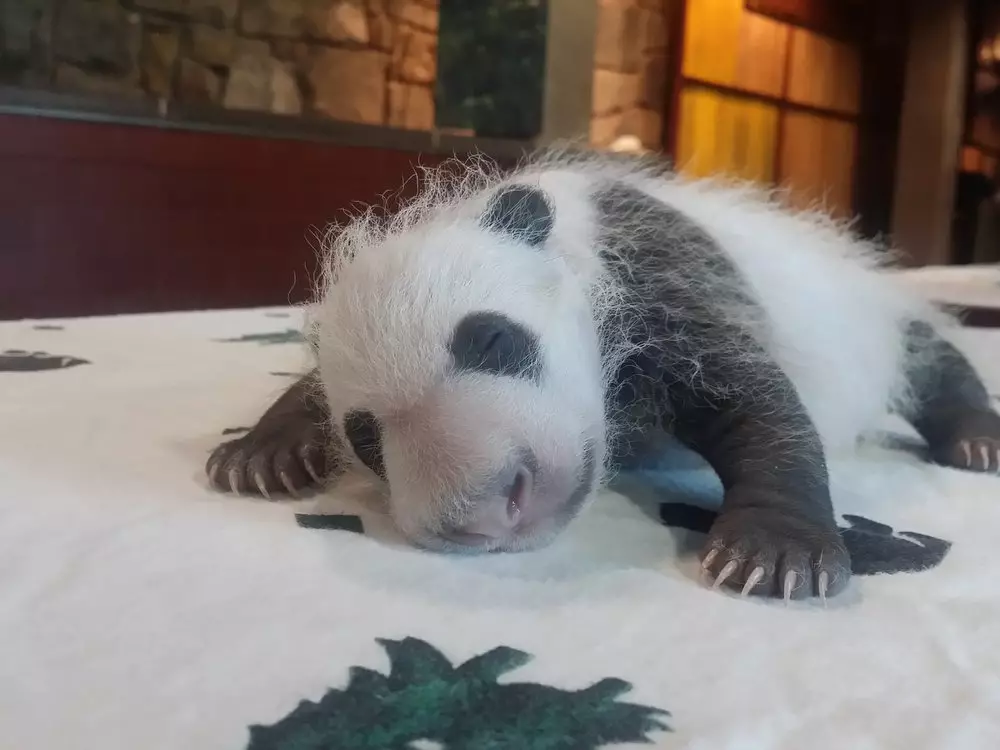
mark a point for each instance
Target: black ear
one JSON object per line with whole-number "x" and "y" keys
{"x": 520, "y": 212}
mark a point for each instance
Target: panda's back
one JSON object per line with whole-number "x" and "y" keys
{"x": 837, "y": 321}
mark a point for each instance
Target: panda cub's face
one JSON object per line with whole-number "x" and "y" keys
{"x": 461, "y": 363}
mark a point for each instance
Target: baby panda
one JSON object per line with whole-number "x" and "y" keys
{"x": 496, "y": 348}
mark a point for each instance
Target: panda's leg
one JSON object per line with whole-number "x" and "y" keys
{"x": 289, "y": 450}
{"x": 948, "y": 404}
{"x": 776, "y": 534}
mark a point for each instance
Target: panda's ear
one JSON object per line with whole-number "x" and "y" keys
{"x": 521, "y": 212}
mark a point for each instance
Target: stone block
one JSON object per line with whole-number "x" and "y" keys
{"x": 286, "y": 98}
{"x": 76, "y": 80}
{"x": 220, "y": 47}
{"x": 614, "y": 91}
{"x": 212, "y": 46}
{"x": 410, "y": 106}
{"x": 414, "y": 56}
{"x": 654, "y": 31}
{"x": 216, "y": 12}
{"x": 381, "y": 25}
{"x": 350, "y": 84}
{"x": 263, "y": 84}
{"x": 339, "y": 21}
{"x": 157, "y": 61}
{"x": 23, "y": 24}
{"x": 413, "y": 13}
{"x": 178, "y": 8}
{"x": 618, "y": 29}
{"x": 289, "y": 19}
{"x": 605, "y": 128}
{"x": 98, "y": 37}
{"x": 644, "y": 124}
{"x": 197, "y": 83}
{"x": 291, "y": 51}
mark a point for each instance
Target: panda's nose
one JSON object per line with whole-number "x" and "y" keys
{"x": 497, "y": 512}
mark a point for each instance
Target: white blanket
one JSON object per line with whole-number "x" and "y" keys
{"x": 138, "y": 609}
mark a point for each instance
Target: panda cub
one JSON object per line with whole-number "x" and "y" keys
{"x": 494, "y": 348}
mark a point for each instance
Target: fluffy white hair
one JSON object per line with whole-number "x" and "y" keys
{"x": 393, "y": 286}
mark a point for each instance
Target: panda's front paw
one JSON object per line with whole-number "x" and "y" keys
{"x": 285, "y": 459}
{"x": 771, "y": 551}
{"x": 973, "y": 444}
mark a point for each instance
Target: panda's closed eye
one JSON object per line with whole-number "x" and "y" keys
{"x": 364, "y": 434}
{"x": 492, "y": 343}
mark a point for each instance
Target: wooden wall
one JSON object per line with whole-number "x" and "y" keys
{"x": 768, "y": 101}
{"x": 102, "y": 219}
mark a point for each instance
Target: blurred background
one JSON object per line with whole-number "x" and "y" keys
{"x": 183, "y": 154}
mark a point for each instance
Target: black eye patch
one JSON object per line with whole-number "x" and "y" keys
{"x": 364, "y": 434}
{"x": 493, "y": 343}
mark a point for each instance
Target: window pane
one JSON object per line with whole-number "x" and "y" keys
{"x": 726, "y": 135}
{"x": 824, "y": 73}
{"x": 710, "y": 40}
{"x": 729, "y": 46}
{"x": 817, "y": 162}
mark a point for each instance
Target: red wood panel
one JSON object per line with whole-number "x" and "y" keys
{"x": 103, "y": 219}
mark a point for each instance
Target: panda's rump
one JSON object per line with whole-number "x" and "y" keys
{"x": 836, "y": 322}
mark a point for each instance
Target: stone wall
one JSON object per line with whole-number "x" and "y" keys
{"x": 631, "y": 61}
{"x": 368, "y": 61}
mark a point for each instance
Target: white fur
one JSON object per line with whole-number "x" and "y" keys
{"x": 837, "y": 318}
{"x": 393, "y": 291}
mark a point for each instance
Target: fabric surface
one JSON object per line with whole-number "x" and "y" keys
{"x": 968, "y": 285}
{"x": 138, "y": 609}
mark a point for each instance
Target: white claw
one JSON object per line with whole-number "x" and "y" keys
{"x": 213, "y": 473}
{"x": 261, "y": 485}
{"x": 235, "y": 485}
{"x": 967, "y": 450}
{"x": 311, "y": 470}
{"x": 709, "y": 559}
{"x": 752, "y": 580}
{"x": 823, "y": 584}
{"x": 790, "y": 578}
{"x": 985, "y": 453}
{"x": 998, "y": 461}
{"x": 288, "y": 484}
{"x": 727, "y": 571}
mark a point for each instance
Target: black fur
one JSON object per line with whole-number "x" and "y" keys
{"x": 493, "y": 343}
{"x": 747, "y": 422}
{"x": 950, "y": 406}
{"x": 521, "y": 212}
{"x": 364, "y": 434}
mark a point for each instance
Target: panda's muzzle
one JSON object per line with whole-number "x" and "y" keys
{"x": 504, "y": 505}
{"x": 516, "y": 503}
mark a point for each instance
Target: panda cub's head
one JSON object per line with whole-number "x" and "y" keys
{"x": 461, "y": 360}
